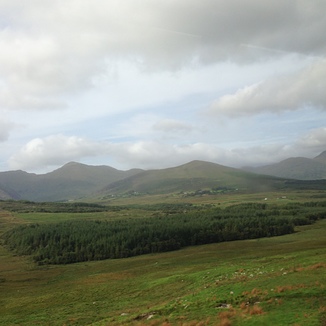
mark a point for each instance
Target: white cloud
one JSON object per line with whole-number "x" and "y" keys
{"x": 52, "y": 151}
{"x": 305, "y": 88}
{"x": 56, "y": 150}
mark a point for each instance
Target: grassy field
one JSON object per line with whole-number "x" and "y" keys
{"x": 222, "y": 199}
{"x": 269, "y": 281}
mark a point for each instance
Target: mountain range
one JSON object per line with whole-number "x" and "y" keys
{"x": 75, "y": 180}
{"x": 71, "y": 181}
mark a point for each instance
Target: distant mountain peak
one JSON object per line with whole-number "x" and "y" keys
{"x": 72, "y": 163}
{"x": 321, "y": 157}
{"x": 300, "y": 168}
{"x": 77, "y": 180}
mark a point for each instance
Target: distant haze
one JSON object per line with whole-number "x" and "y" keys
{"x": 80, "y": 181}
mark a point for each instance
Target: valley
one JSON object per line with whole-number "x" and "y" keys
{"x": 198, "y": 244}
{"x": 274, "y": 280}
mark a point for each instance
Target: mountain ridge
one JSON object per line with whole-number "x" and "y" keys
{"x": 71, "y": 181}
{"x": 192, "y": 176}
{"x": 76, "y": 180}
{"x": 300, "y": 168}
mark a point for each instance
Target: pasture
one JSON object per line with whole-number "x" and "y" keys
{"x": 267, "y": 281}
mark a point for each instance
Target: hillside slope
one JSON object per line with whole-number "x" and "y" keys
{"x": 72, "y": 181}
{"x": 300, "y": 168}
{"x": 75, "y": 181}
{"x": 192, "y": 176}
{"x": 4, "y": 195}
{"x": 321, "y": 158}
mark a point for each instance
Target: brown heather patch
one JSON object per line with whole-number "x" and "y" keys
{"x": 153, "y": 323}
{"x": 241, "y": 278}
{"x": 225, "y": 322}
{"x": 7, "y": 217}
{"x": 322, "y": 309}
{"x": 322, "y": 318}
{"x": 181, "y": 323}
{"x": 310, "y": 268}
{"x": 225, "y": 316}
{"x": 254, "y": 292}
{"x": 196, "y": 323}
{"x": 274, "y": 301}
{"x": 317, "y": 266}
{"x": 252, "y": 310}
{"x": 252, "y": 297}
{"x": 181, "y": 319}
{"x": 256, "y": 310}
{"x": 280, "y": 289}
{"x": 72, "y": 320}
{"x": 243, "y": 305}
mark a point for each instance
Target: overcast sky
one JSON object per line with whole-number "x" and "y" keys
{"x": 158, "y": 83}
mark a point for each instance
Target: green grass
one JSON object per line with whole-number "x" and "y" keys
{"x": 223, "y": 200}
{"x": 269, "y": 281}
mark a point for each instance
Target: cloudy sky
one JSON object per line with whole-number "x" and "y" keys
{"x": 158, "y": 83}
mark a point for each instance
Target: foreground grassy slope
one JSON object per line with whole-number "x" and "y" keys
{"x": 271, "y": 281}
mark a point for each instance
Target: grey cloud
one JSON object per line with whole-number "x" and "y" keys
{"x": 171, "y": 125}
{"x": 5, "y": 129}
{"x": 156, "y": 155}
{"x": 314, "y": 141}
{"x": 54, "y": 48}
{"x": 307, "y": 145}
{"x": 305, "y": 88}
{"x": 37, "y": 70}
{"x": 18, "y": 100}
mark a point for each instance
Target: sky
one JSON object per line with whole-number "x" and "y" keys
{"x": 153, "y": 84}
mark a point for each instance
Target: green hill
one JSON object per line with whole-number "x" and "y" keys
{"x": 17, "y": 183}
{"x": 4, "y": 195}
{"x": 193, "y": 176}
{"x": 80, "y": 181}
{"x": 72, "y": 181}
{"x": 297, "y": 168}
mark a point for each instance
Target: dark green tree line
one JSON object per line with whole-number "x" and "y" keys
{"x": 84, "y": 240}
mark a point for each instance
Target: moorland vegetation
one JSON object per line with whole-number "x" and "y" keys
{"x": 258, "y": 278}
{"x": 175, "y": 227}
